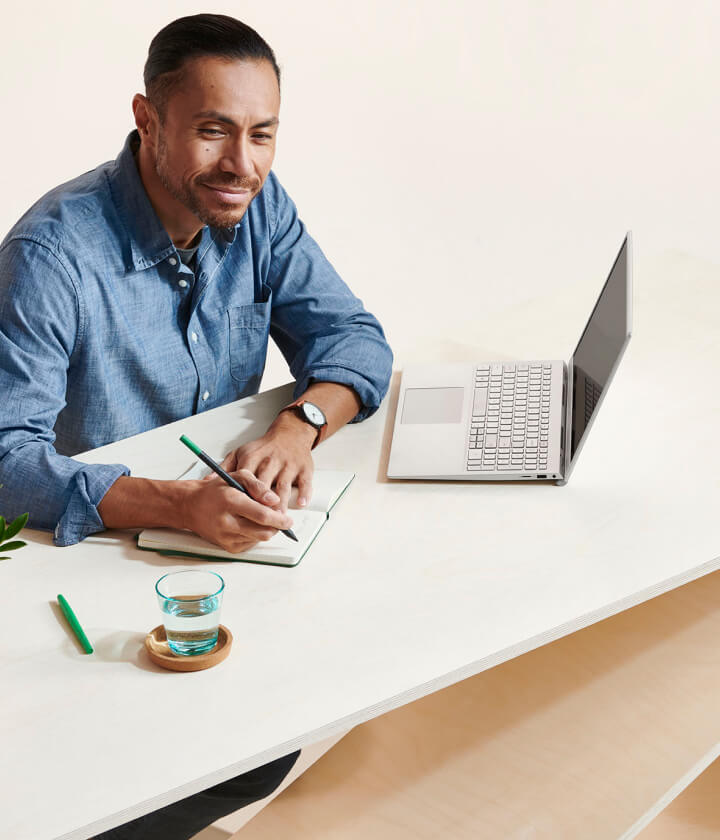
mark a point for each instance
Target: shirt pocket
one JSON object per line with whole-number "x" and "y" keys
{"x": 249, "y": 328}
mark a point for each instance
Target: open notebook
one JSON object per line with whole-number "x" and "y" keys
{"x": 328, "y": 487}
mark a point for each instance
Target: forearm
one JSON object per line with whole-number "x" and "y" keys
{"x": 339, "y": 403}
{"x": 60, "y": 493}
{"x": 145, "y": 503}
{"x": 212, "y": 509}
{"x": 330, "y": 359}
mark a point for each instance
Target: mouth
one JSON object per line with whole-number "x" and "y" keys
{"x": 229, "y": 195}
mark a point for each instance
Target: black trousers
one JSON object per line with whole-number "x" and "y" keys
{"x": 183, "y": 819}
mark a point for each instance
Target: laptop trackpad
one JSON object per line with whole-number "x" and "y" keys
{"x": 433, "y": 405}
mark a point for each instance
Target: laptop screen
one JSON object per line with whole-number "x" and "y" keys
{"x": 600, "y": 347}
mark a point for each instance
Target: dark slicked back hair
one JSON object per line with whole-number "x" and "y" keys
{"x": 196, "y": 36}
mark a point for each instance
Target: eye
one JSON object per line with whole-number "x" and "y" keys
{"x": 212, "y": 132}
{"x": 263, "y": 136}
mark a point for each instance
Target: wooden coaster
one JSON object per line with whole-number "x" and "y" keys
{"x": 160, "y": 653}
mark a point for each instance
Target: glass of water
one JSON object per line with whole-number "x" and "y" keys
{"x": 190, "y": 602}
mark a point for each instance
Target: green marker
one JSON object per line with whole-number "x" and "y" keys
{"x": 228, "y": 479}
{"x": 74, "y": 624}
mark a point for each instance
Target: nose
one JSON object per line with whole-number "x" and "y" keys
{"x": 237, "y": 158}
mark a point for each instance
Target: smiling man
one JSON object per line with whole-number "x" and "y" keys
{"x": 145, "y": 291}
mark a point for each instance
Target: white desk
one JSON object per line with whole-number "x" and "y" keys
{"x": 412, "y": 587}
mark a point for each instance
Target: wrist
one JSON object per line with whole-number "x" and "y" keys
{"x": 288, "y": 423}
{"x": 310, "y": 414}
{"x": 181, "y": 498}
{"x": 146, "y": 503}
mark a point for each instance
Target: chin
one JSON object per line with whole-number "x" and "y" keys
{"x": 231, "y": 219}
{"x": 226, "y": 219}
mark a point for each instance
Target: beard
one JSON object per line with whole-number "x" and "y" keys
{"x": 189, "y": 193}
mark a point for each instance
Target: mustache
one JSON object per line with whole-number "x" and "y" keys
{"x": 221, "y": 180}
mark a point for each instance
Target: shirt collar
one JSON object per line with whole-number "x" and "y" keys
{"x": 149, "y": 242}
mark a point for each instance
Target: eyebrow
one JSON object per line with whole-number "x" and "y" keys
{"x": 223, "y": 118}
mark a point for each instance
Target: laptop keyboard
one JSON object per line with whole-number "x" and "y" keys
{"x": 510, "y": 418}
{"x": 592, "y": 395}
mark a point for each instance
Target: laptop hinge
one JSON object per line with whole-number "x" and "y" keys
{"x": 567, "y": 421}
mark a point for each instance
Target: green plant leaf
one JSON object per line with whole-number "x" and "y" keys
{"x": 13, "y": 546}
{"x": 15, "y": 527}
{"x": 4, "y": 558}
{"x": 2, "y": 528}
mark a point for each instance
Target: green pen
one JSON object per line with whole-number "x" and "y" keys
{"x": 74, "y": 624}
{"x": 228, "y": 479}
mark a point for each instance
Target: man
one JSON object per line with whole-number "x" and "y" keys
{"x": 144, "y": 291}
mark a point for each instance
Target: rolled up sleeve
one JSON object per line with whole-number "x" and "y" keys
{"x": 41, "y": 324}
{"x": 321, "y": 328}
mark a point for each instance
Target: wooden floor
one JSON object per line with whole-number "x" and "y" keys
{"x": 584, "y": 738}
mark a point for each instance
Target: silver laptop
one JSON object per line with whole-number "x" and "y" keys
{"x": 513, "y": 421}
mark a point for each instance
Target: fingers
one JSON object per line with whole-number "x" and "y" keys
{"x": 274, "y": 474}
{"x": 236, "y": 534}
{"x": 283, "y": 487}
{"x": 282, "y": 476}
{"x": 241, "y": 529}
{"x": 259, "y": 490}
{"x": 304, "y": 485}
{"x": 230, "y": 461}
{"x": 267, "y": 470}
{"x": 240, "y": 505}
{"x": 264, "y": 465}
{"x": 231, "y": 519}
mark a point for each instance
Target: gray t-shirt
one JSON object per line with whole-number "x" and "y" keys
{"x": 187, "y": 255}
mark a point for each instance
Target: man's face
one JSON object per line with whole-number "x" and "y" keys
{"x": 216, "y": 144}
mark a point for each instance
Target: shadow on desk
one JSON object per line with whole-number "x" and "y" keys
{"x": 112, "y": 646}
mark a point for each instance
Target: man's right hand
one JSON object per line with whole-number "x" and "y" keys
{"x": 224, "y": 516}
{"x": 210, "y": 508}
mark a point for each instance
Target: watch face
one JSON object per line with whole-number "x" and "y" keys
{"x": 313, "y": 414}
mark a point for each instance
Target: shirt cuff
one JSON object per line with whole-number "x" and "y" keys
{"x": 81, "y": 517}
{"x": 368, "y": 394}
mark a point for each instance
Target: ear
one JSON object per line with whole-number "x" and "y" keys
{"x": 146, "y": 119}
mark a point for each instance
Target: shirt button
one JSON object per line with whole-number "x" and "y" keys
{"x": 205, "y": 395}
{"x": 182, "y": 283}
{"x": 172, "y": 261}
{"x": 194, "y": 337}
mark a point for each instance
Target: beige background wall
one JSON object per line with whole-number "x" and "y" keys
{"x": 435, "y": 154}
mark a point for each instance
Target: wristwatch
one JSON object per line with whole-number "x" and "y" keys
{"x": 312, "y": 414}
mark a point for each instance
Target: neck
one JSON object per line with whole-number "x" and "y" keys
{"x": 183, "y": 227}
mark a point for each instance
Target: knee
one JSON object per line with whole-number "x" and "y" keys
{"x": 274, "y": 773}
{"x": 257, "y": 783}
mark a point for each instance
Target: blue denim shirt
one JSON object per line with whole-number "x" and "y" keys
{"x": 105, "y": 333}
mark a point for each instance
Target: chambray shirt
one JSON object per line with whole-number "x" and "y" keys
{"x": 105, "y": 333}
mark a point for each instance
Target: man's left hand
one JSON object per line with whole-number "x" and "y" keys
{"x": 281, "y": 458}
